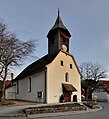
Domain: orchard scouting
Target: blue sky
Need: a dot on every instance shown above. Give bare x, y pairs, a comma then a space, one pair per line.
87, 21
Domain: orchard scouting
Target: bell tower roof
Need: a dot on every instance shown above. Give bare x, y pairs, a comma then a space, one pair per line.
59, 25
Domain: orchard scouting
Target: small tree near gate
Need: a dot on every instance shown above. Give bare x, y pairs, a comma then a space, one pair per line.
91, 73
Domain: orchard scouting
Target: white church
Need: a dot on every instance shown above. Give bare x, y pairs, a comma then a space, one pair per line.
54, 77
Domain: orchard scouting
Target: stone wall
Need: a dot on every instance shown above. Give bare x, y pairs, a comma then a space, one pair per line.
54, 108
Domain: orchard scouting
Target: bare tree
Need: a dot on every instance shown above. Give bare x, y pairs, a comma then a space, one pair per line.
91, 73
12, 51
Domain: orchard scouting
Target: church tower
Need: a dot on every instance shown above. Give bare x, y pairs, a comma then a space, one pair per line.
58, 37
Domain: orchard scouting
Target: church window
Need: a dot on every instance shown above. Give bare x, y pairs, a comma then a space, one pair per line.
29, 84
67, 77
70, 66
17, 90
62, 64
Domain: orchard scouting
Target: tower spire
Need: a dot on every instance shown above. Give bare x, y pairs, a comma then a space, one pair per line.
58, 36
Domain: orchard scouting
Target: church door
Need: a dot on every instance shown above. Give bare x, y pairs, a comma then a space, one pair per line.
67, 91
67, 97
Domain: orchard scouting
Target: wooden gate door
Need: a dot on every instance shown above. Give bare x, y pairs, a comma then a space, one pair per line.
67, 97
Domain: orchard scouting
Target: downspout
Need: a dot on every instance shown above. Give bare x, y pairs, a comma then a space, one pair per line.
45, 85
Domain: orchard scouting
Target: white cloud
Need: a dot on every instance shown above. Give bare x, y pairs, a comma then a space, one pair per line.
104, 38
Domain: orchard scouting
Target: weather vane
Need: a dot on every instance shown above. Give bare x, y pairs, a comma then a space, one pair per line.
58, 11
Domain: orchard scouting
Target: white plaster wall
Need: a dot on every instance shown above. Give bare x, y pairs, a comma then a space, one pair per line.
10, 92
56, 76
37, 85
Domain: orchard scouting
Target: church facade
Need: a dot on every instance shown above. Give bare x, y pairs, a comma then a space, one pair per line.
53, 78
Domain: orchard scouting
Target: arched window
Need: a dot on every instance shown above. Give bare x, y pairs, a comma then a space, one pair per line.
17, 89
67, 77
29, 84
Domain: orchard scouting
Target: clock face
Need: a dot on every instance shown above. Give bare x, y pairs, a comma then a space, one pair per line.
64, 48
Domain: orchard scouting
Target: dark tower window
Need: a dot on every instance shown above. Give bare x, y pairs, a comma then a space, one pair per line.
53, 41
64, 40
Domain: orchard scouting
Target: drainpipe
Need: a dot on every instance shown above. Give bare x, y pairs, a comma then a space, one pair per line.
45, 85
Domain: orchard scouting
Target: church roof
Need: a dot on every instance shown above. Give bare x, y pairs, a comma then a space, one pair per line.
41, 64
37, 65
59, 25
69, 87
